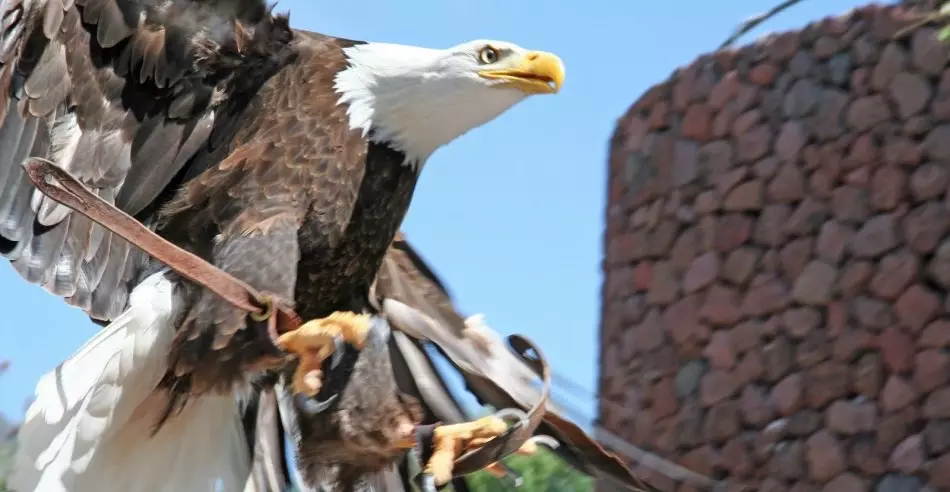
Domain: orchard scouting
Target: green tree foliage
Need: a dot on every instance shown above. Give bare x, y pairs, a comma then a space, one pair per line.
542, 472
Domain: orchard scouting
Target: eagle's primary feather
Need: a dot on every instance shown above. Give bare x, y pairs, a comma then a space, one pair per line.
286, 158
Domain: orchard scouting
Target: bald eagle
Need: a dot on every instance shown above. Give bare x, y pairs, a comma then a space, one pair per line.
284, 157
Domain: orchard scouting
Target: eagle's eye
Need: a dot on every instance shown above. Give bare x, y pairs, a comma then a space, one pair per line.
488, 55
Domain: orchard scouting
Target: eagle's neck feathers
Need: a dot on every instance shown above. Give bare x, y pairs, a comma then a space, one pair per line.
415, 99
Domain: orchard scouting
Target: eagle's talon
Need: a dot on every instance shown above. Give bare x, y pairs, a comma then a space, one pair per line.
339, 347
319, 339
311, 406
428, 483
509, 414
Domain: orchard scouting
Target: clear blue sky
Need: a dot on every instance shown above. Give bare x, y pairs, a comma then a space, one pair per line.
511, 214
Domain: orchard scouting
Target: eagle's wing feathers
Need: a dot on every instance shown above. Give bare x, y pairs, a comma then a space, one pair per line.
122, 94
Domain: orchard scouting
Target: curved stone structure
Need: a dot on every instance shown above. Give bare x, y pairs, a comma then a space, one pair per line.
775, 305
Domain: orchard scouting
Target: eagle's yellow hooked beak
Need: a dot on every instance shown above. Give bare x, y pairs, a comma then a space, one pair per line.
535, 72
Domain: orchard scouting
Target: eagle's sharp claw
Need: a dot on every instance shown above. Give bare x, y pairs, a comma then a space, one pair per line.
428, 483
509, 414
319, 339
339, 346
311, 406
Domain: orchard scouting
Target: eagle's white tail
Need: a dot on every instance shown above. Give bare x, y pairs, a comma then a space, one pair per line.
88, 430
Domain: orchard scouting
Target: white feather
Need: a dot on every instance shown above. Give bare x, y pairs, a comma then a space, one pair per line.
88, 430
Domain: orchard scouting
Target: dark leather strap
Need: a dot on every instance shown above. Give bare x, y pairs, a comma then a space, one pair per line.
65, 189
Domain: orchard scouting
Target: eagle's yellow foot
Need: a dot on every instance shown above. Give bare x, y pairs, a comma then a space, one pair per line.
316, 340
451, 441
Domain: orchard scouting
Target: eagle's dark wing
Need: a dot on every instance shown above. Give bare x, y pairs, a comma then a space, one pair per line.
122, 94
416, 302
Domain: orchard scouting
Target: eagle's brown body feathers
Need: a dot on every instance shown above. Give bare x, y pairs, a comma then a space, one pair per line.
226, 137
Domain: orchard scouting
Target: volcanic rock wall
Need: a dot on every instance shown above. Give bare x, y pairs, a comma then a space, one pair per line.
775, 308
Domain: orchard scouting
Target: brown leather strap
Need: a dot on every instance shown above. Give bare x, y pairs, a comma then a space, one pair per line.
65, 189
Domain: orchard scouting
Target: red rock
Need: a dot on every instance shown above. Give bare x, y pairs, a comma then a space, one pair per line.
926, 226
802, 99
909, 455
832, 241
719, 351
876, 236
873, 314
846, 482
897, 394
864, 151
902, 151
746, 121
799, 322
751, 368
722, 422
893, 60
725, 90
701, 273
937, 404
660, 241
744, 197
931, 370
855, 278
937, 143
721, 307
916, 307
928, 52
665, 287
788, 185
770, 228
814, 285
767, 298
814, 349
851, 417
940, 472
910, 92
825, 456
716, 386
867, 112
681, 320
665, 402
778, 357
866, 458
897, 348
851, 204
887, 187
807, 218
939, 267
697, 122
642, 276
795, 256
929, 181
763, 74
740, 264
648, 335
707, 202
732, 231
755, 406
894, 273
787, 395
936, 335
754, 144
827, 382
736, 457
790, 141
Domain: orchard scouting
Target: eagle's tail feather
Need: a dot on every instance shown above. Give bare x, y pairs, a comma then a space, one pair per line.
89, 428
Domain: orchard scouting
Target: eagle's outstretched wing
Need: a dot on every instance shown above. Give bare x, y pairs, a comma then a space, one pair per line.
122, 94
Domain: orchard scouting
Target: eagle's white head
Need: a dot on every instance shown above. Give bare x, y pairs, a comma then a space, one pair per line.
419, 99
